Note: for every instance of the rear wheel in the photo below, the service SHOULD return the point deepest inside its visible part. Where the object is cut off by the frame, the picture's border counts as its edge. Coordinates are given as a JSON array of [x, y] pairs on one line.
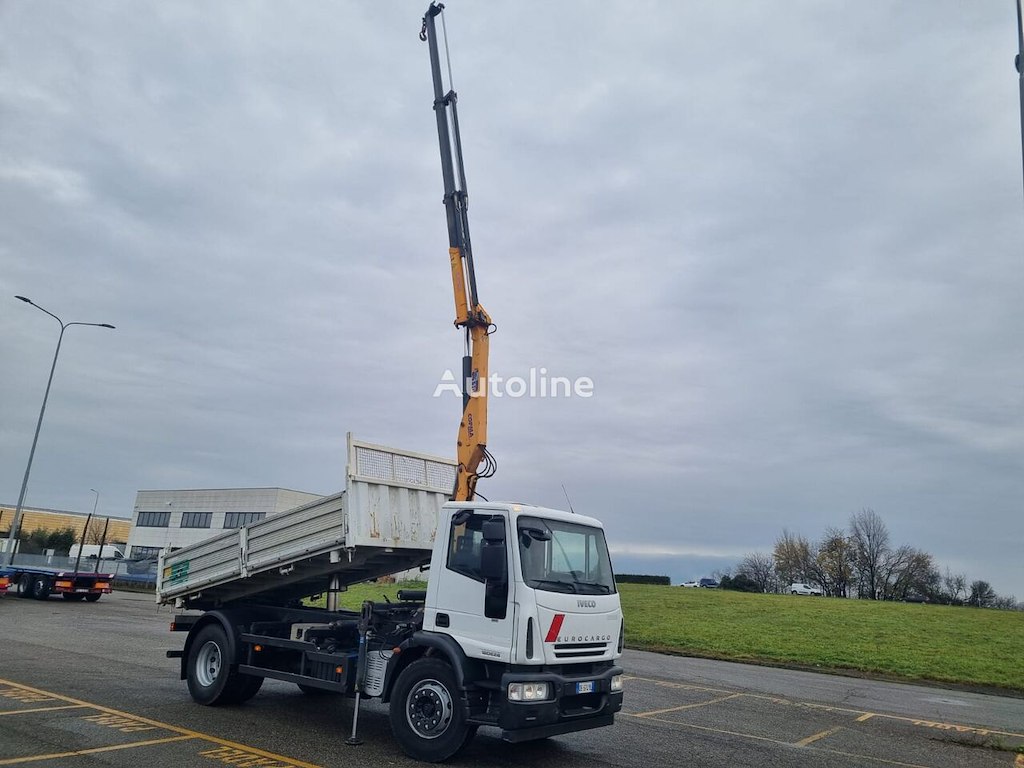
[[210, 679], [428, 717], [40, 588], [72, 596], [24, 586], [93, 598]]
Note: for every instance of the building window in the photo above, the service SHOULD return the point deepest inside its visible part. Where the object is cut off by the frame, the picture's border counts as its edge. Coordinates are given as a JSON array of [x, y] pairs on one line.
[[196, 519], [238, 519], [145, 553], [153, 520]]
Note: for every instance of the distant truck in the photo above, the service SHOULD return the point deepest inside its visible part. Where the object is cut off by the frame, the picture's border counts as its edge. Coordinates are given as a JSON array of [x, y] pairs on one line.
[[94, 551], [40, 583]]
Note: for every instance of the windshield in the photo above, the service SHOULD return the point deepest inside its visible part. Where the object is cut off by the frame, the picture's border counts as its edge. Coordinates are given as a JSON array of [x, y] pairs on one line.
[[564, 557]]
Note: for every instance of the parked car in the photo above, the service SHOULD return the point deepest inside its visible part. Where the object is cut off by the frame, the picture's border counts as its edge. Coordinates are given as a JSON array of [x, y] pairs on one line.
[[142, 566], [708, 584], [690, 584], [805, 589]]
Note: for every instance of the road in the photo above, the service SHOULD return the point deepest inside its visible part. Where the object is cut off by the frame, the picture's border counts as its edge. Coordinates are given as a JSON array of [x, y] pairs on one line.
[[88, 684]]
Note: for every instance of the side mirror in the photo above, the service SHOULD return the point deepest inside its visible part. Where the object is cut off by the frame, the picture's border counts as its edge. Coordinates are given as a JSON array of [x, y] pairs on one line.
[[494, 531]]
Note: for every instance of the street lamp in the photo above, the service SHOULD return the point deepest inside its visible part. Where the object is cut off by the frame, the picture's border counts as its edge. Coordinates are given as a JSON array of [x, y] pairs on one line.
[[16, 523]]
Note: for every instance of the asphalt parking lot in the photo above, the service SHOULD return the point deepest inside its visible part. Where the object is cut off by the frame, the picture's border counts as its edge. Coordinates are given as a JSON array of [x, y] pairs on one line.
[[88, 685]]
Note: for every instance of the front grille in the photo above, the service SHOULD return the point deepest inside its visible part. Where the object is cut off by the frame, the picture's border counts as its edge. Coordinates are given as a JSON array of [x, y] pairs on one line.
[[580, 650]]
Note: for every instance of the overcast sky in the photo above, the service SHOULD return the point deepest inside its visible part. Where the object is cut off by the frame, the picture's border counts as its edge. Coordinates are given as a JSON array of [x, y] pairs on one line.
[[784, 240]]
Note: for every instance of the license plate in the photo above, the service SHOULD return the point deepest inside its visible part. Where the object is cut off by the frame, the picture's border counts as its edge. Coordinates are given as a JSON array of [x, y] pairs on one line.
[[80, 589], [587, 687]]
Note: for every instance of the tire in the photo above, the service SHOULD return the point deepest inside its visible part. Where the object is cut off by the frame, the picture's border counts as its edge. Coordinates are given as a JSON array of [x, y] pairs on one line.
[[93, 598], [24, 586], [428, 717], [210, 679], [41, 588], [248, 686], [69, 596]]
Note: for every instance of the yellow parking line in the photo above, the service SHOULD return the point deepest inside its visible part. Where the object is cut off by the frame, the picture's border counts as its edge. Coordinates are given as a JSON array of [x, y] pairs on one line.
[[862, 715], [687, 706], [185, 732], [92, 751], [39, 709], [817, 736], [768, 739]]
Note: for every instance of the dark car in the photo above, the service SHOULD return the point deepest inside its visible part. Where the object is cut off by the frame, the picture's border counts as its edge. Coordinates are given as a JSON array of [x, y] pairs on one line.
[[140, 567], [708, 584]]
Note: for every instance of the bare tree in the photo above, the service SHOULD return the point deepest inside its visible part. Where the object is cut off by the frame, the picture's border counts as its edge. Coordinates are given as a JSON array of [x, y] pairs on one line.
[[1006, 603], [792, 556], [870, 540], [759, 567], [907, 572], [954, 588]]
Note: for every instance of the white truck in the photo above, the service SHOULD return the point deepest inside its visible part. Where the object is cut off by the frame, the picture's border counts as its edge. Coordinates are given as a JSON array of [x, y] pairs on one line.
[[519, 627]]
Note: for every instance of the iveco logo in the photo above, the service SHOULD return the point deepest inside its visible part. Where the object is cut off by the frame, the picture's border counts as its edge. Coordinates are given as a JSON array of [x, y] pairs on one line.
[[587, 603]]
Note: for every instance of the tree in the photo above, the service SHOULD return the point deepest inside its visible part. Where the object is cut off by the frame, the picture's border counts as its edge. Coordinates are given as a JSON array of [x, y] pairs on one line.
[[870, 540], [954, 588], [907, 571], [834, 563], [792, 557], [759, 567], [982, 595], [1007, 603], [93, 534]]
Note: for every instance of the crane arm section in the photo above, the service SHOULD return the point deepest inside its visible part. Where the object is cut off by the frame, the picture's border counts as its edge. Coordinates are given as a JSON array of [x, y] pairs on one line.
[[474, 460]]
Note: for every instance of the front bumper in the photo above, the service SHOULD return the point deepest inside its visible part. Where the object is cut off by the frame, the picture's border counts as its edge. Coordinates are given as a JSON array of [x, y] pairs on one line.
[[567, 712]]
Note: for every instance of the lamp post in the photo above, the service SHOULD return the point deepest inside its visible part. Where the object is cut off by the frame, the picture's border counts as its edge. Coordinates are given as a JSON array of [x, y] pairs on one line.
[[16, 523], [1019, 62]]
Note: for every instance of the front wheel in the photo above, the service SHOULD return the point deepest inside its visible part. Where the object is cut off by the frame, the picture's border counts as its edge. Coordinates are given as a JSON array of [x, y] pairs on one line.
[[428, 717], [210, 679]]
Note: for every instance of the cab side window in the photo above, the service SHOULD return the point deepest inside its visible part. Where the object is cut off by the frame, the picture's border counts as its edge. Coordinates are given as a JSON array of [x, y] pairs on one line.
[[465, 544]]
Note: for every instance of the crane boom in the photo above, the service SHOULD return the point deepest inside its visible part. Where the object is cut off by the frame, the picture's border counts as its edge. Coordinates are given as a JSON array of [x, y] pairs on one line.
[[474, 460]]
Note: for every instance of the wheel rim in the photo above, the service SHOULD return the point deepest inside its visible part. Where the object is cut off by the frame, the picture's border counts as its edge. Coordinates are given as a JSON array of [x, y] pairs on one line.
[[429, 709], [208, 663]]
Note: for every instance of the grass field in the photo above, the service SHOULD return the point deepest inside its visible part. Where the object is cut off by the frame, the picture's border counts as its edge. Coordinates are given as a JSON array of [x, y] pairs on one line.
[[911, 642]]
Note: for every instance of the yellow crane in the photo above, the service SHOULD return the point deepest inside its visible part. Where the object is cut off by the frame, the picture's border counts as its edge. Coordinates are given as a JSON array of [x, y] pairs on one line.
[[474, 460]]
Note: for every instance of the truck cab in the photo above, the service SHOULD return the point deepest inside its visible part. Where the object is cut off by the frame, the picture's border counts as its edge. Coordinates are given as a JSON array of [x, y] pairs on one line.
[[528, 593]]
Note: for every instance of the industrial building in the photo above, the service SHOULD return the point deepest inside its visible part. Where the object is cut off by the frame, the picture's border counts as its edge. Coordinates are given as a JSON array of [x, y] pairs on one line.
[[173, 519], [49, 520]]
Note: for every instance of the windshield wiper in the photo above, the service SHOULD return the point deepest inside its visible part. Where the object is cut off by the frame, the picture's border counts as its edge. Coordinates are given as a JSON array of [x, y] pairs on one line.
[[569, 584], [605, 589]]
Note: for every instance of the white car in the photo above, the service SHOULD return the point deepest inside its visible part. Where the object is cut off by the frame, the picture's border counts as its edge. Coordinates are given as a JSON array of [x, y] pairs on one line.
[[690, 584], [805, 589]]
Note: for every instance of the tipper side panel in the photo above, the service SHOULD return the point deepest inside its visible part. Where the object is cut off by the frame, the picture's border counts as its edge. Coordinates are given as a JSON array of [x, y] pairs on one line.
[[383, 522]]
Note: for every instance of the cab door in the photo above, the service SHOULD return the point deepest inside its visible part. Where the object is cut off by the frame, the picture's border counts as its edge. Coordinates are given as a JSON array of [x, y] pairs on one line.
[[477, 610]]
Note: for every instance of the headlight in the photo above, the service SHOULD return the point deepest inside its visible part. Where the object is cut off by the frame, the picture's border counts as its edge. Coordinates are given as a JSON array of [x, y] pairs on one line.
[[616, 683], [529, 691]]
